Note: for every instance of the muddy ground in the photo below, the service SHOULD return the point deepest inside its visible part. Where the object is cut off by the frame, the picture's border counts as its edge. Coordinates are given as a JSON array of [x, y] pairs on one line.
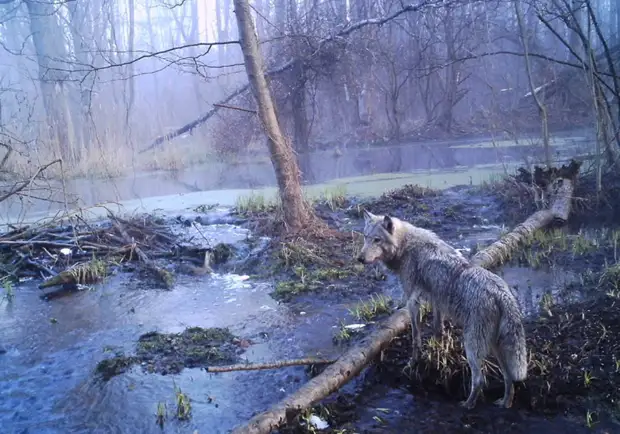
[[574, 375]]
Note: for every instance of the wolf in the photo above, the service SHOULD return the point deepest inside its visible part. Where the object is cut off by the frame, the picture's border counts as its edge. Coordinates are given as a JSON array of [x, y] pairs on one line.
[[471, 296]]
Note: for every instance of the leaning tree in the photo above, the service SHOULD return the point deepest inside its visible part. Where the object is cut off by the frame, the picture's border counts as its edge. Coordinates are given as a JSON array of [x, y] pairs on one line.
[[297, 214]]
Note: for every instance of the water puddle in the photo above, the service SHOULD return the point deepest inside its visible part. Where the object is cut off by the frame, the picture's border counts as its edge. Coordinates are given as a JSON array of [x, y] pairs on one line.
[[536, 289]]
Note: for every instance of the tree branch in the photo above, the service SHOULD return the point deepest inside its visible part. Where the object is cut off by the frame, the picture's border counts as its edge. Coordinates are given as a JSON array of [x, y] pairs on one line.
[[289, 64], [272, 365], [26, 183]]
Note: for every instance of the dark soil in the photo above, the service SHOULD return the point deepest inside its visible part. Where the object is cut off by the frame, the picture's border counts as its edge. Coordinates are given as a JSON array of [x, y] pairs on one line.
[[170, 353], [574, 381]]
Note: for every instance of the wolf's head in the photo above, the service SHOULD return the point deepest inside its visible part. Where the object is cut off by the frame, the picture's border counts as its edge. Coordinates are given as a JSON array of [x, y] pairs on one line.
[[380, 244]]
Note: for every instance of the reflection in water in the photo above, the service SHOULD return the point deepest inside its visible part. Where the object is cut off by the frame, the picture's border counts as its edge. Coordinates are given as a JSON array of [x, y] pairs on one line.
[[317, 167], [46, 374], [46, 367]]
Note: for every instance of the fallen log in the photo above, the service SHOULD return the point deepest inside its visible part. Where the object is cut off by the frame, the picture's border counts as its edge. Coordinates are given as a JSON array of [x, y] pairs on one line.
[[363, 353], [560, 192]]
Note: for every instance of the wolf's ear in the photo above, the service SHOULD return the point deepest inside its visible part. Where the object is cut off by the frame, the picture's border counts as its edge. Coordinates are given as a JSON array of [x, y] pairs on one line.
[[388, 224], [368, 216]]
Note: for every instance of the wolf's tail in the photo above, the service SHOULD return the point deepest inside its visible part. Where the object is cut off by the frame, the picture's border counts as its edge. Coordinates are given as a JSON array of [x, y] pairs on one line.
[[511, 341]]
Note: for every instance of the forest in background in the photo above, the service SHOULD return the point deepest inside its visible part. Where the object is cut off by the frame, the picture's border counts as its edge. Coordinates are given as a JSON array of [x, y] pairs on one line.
[[112, 86]]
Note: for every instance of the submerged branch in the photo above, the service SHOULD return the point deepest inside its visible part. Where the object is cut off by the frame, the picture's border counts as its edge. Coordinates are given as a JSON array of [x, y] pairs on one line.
[[272, 365]]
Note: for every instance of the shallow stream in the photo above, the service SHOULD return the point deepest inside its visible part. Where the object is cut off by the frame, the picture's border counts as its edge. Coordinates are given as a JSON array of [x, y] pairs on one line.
[[51, 348]]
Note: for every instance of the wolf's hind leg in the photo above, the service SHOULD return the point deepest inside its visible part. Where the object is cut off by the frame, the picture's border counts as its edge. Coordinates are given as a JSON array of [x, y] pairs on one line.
[[509, 390], [413, 305], [476, 349]]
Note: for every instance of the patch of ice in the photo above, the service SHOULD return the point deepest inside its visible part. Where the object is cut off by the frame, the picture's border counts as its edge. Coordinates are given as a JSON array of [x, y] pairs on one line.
[[317, 422], [355, 326]]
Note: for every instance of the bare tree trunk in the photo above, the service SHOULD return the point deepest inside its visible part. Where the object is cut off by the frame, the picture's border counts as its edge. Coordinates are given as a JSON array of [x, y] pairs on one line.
[[446, 117], [130, 89], [394, 93], [114, 46], [153, 42], [360, 355], [83, 41], [528, 66], [298, 105], [191, 38], [195, 38], [296, 213], [574, 40], [51, 57], [227, 30], [221, 11]]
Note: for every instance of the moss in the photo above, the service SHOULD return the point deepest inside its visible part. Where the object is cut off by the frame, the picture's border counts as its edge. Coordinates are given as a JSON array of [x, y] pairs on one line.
[[222, 252], [109, 368], [171, 353], [309, 280], [287, 289]]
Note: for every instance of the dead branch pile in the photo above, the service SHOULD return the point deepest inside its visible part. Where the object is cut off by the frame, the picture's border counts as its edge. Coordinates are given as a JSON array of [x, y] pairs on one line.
[[81, 253]]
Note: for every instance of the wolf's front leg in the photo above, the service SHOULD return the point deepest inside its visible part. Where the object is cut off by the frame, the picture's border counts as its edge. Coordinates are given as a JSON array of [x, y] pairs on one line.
[[413, 305]]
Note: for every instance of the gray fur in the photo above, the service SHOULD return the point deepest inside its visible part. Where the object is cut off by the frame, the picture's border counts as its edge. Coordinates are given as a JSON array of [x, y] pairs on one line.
[[476, 299]]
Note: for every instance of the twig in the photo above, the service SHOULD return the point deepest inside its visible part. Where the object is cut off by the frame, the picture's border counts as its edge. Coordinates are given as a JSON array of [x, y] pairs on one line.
[[9, 151], [26, 183], [163, 275], [272, 365], [235, 108], [36, 243]]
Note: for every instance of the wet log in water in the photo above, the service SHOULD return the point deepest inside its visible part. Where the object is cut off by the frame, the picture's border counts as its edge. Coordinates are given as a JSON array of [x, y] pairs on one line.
[[264, 366], [560, 188], [560, 193]]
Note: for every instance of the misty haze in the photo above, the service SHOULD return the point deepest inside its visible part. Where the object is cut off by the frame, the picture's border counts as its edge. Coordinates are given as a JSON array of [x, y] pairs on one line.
[[183, 192]]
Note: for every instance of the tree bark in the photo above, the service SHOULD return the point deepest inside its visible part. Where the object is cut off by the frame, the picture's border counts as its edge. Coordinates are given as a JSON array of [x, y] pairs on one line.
[[296, 213], [528, 67], [51, 57], [83, 42], [298, 106], [360, 355], [450, 98], [130, 83]]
